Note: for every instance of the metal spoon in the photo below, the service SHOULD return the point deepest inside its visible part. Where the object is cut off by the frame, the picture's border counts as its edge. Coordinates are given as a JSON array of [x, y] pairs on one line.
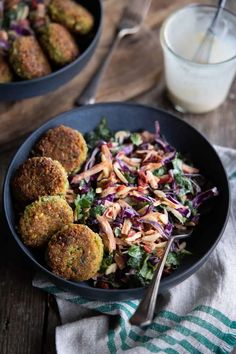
[[144, 313], [203, 52]]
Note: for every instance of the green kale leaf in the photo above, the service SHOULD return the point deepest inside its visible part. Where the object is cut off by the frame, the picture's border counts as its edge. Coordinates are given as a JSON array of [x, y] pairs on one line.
[[97, 210], [136, 139], [83, 204], [106, 262], [147, 269], [135, 251], [131, 179], [160, 171], [173, 259], [136, 254], [101, 132]]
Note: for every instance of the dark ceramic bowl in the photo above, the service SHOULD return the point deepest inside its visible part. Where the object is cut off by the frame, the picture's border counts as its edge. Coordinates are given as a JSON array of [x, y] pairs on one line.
[[18, 90], [185, 138]]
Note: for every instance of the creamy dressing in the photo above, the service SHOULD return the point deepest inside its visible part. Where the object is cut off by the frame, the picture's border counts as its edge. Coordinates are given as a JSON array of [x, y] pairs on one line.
[[191, 86], [221, 48]]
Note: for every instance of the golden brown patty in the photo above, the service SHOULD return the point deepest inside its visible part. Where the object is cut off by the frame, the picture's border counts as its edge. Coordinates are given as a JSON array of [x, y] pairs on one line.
[[72, 15], [75, 252], [59, 44], [39, 176], [27, 58], [5, 71], [43, 218], [65, 145]]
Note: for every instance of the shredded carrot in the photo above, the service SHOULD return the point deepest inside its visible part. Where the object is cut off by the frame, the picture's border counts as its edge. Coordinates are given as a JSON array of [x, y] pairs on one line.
[[107, 235], [92, 171]]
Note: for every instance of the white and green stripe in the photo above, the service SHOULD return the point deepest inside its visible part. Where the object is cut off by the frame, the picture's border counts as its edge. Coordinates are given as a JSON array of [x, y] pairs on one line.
[[204, 330]]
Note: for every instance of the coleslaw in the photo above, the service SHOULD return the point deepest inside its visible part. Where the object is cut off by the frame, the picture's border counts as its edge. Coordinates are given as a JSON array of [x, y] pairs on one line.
[[136, 190]]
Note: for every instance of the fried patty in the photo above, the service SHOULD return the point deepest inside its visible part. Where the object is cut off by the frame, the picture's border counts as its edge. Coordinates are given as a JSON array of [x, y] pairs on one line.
[[65, 145], [59, 44], [72, 15], [27, 58], [5, 71], [75, 252], [43, 218], [39, 176]]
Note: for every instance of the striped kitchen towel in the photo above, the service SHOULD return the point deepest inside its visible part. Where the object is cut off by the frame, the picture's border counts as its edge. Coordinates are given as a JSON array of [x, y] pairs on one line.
[[197, 316]]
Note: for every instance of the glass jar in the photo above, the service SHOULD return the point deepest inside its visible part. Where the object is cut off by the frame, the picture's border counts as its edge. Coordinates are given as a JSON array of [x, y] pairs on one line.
[[193, 86]]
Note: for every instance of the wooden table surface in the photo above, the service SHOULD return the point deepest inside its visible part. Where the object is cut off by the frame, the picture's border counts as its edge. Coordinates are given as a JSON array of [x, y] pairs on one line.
[[28, 317]]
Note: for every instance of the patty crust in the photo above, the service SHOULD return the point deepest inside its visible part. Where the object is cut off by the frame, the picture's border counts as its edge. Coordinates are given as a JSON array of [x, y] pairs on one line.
[[64, 144], [58, 43], [72, 15], [75, 252], [43, 218], [5, 71], [39, 176], [27, 58]]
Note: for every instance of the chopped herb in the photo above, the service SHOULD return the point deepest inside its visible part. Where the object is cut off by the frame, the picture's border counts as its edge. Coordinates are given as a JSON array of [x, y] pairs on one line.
[[189, 204], [160, 171], [106, 262], [117, 231], [134, 263], [131, 179], [136, 139], [174, 259], [135, 251], [97, 210], [83, 204], [181, 180], [136, 254], [177, 164], [185, 183], [101, 132], [147, 269], [139, 261]]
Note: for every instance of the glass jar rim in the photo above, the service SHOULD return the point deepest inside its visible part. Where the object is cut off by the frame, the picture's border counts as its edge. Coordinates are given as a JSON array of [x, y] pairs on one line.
[[165, 44]]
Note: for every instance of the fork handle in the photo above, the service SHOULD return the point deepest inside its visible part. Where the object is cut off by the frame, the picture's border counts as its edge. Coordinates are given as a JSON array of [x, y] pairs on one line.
[[88, 95], [144, 313]]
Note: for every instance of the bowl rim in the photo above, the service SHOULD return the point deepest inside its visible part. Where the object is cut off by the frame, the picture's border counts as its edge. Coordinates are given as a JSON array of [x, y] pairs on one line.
[[132, 292], [68, 66]]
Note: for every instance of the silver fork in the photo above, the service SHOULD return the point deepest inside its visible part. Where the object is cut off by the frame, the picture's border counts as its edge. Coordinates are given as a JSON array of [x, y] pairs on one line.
[[144, 313], [130, 23]]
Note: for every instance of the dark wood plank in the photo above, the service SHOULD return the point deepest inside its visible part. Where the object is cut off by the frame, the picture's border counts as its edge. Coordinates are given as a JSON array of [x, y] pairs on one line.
[[52, 320], [22, 307], [19, 118]]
